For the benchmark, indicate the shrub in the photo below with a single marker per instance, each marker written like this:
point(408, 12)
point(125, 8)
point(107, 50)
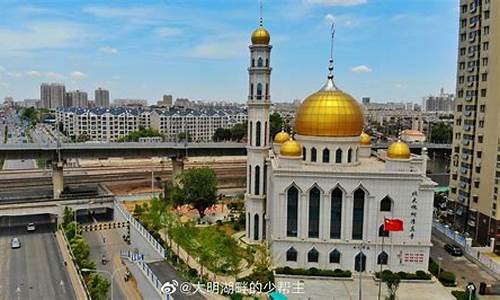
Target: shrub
point(314, 272)
point(192, 272)
point(447, 278)
point(462, 295)
point(236, 226)
point(422, 275)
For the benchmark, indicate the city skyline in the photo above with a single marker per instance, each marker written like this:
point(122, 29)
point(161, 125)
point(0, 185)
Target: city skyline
point(145, 51)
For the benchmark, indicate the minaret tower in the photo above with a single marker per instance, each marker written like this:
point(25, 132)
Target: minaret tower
point(259, 102)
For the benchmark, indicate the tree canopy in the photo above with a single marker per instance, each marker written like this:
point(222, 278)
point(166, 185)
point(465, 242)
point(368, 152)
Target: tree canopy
point(236, 133)
point(276, 123)
point(441, 133)
point(142, 132)
point(197, 187)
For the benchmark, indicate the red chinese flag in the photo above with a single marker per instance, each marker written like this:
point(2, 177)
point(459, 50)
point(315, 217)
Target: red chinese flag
point(393, 225)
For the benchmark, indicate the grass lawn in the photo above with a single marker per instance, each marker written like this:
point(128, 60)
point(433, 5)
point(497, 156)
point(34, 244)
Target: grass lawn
point(214, 246)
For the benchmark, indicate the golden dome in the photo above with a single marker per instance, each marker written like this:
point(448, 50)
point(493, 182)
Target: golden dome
point(329, 112)
point(291, 148)
point(281, 137)
point(398, 150)
point(365, 139)
point(261, 36)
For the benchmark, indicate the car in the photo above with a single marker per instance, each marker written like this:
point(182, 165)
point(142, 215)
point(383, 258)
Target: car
point(15, 243)
point(31, 227)
point(453, 250)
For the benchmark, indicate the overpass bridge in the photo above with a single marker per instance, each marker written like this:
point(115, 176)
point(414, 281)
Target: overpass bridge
point(59, 153)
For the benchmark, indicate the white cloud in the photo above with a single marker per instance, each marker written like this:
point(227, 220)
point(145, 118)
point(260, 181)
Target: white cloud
point(167, 32)
point(336, 2)
point(42, 35)
point(15, 74)
point(220, 49)
point(33, 73)
point(108, 50)
point(54, 76)
point(77, 75)
point(401, 85)
point(361, 69)
point(329, 18)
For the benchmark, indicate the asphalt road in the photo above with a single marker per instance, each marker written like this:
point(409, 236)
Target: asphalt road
point(165, 272)
point(34, 271)
point(465, 270)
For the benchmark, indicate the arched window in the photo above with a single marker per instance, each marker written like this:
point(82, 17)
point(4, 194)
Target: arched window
point(338, 156)
point(382, 258)
point(314, 212)
point(385, 204)
point(267, 62)
point(313, 255)
point(253, 62)
point(267, 91)
point(257, 133)
point(336, 214)
point(260, 62)
point(349, 155)
point(358, 214)
point(382, 232)
point(292, 211)
point(256, 227)
point(265, 180)
point(265, 134)
point(291, 254)
point(326, 155)
point(335, 257)
point(259, 91)
point(313, 154)
point(303, 153)
point(249, 179)
point(251, 133)
point(360, 262)
point(257, 180)
point(251, 90)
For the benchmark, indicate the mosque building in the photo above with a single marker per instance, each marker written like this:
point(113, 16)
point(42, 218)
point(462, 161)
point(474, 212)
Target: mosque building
point(319, 198)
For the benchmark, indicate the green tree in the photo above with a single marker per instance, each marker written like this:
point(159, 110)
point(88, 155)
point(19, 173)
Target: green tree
point(239, 131)
point(134, 136)
point(222, 134)
point(197, 187)
point(80, 248)
point(441, 133)
point(68, 216)
point(71, 229)
point(82, 138)
point(98, 286)
point(392, 281)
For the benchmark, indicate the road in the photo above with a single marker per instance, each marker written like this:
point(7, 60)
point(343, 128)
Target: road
point(34, 271)
point(15, 128)
point(166, 273)
point(465, 270)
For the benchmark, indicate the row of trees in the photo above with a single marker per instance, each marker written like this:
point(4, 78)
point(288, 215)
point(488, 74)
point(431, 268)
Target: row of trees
point(141, 133)
point(97, 285)
point(441, 133)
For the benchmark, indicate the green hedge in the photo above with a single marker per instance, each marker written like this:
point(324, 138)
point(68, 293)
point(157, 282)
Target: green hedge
point(314, 272)
point(462, 295)
point(419, 275)
point(446, 278)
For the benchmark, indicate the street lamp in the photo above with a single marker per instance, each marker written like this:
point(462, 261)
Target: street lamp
point(111, 275)
point(361, 247)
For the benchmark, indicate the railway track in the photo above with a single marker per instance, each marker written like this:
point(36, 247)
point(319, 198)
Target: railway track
point(101, 177)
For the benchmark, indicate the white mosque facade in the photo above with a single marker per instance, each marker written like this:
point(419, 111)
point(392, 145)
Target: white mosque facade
point(319, 199)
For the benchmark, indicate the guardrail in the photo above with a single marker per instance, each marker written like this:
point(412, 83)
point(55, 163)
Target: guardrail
point(138, 226)
point(34, 199)
point(138, 259)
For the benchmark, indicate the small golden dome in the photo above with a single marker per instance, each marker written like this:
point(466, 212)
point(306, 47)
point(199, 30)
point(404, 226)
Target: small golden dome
point(398, 150)
point(329, 112)
point(291, 148)
point(281, 137)
point(365, 139)
point(261, 36)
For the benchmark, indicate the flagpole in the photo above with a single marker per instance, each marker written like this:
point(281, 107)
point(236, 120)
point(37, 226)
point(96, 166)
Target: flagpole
point(380, 272)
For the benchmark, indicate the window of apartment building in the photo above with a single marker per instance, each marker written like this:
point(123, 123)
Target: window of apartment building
point(484, 76)
point(486, 45)
point(483, 92)
point(463, 37)
point(462, 51)
point(460, 93)
point(454, 190)
point(485, 61)
point(481, 123)
point(458, 122)
point(486, 14)
point(463, 23)
point(475, 199)
point(486, 30)
point(482, 108)
point(480, 139)
point(461, 79)
point(478, 170)
point(457, 135)
point(459, 107)
point(462, 65)
point(476, 184)
point(464, 8)
point(454, 176)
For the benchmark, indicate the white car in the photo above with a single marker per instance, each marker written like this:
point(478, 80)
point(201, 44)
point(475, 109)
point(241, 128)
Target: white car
point(15, 243)
point(31, 227)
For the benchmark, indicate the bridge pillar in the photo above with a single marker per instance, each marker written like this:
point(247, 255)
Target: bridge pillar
point(57, 179)
point(177, 168)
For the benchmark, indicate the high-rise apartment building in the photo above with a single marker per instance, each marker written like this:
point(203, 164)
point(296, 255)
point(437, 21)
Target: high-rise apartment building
point(101, 98)
point(52, 95)
point(442, 103)
point(77, 99)
point(475, 163)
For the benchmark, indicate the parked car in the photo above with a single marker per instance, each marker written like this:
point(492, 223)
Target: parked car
point(453, 250)
point(31, 227)
point(15, 243)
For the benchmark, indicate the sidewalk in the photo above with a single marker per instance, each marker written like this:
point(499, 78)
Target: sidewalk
point(71, 268)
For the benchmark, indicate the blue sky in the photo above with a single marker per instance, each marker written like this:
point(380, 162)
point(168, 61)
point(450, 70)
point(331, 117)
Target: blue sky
point(390, 50)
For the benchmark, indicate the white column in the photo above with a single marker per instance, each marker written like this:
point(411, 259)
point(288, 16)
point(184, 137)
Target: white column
point(325, 217)
point(347, 217)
